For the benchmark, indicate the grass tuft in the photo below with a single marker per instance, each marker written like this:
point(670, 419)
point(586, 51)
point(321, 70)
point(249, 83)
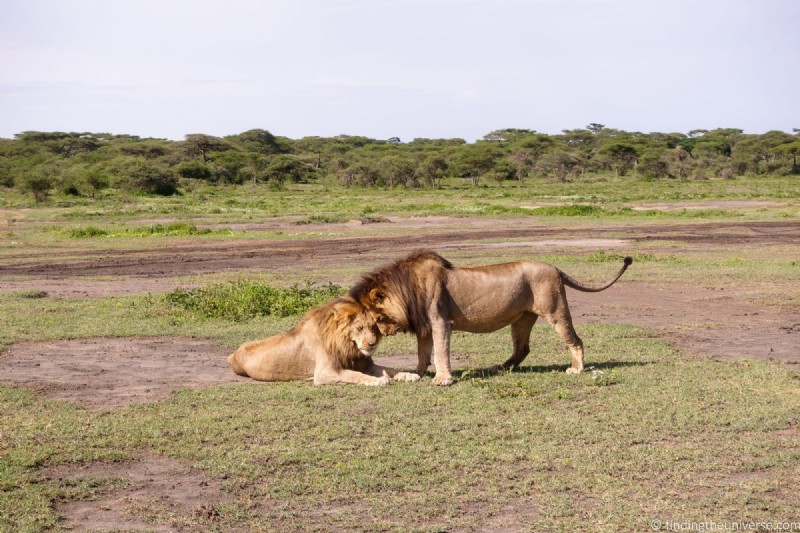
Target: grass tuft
point(173, 229)
point(87, 233)
point(574, 210)
point(602, 256)
point(242, 300)
point(31, 294)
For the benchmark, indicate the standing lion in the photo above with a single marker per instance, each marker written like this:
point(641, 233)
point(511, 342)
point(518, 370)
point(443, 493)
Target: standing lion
point(332, 343)
point(426, 295)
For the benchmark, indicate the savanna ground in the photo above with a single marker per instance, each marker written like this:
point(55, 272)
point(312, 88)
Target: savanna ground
point(118, 411)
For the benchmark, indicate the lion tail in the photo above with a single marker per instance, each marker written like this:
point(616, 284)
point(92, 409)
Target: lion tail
point(572, 282)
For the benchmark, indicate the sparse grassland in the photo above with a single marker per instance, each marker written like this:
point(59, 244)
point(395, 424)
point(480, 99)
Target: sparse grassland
point(646, 433)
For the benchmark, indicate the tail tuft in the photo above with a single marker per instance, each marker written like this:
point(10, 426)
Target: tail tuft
point(628, 260)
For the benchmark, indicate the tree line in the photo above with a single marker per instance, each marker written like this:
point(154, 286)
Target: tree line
point(86, 163)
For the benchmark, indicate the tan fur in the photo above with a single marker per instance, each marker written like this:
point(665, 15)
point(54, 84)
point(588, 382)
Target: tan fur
point(332, 343)
point(426, 295)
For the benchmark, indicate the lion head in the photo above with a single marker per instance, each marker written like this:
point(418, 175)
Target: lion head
point(364, 332)
point(396, 293)
point(347, 330)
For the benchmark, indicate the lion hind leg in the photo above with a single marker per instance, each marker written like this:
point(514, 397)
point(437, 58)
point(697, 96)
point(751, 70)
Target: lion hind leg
point(565, 329)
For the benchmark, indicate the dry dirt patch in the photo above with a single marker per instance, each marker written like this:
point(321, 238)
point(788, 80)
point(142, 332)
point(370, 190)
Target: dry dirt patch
point(114, 372)
point(156, 494)
point(715, 204)
point(704, 321)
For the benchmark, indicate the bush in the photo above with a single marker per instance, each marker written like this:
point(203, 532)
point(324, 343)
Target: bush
point(140, 175)
point(87, 232)
point(575, 210)
point(37, 181)
point(195, 170)
point(243, 300)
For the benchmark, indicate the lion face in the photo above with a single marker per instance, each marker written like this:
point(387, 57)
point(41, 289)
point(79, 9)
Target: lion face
point(365, 333)
point(386, 326)
point(386, 310)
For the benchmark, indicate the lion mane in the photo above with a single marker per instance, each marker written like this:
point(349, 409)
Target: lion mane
point(405, 281)
point(332, 343)
point(425, 294)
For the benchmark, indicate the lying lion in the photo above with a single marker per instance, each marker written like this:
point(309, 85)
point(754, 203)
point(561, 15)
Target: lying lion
point(426, 295)
point(332, 343)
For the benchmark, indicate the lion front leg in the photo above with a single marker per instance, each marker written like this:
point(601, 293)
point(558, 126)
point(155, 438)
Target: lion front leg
point(330, 376)
point(441, 352)
point(396, 375)
point(424, 351)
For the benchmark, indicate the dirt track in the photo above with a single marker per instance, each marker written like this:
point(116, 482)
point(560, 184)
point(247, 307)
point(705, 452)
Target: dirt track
point(707, 321)
point(204, 257)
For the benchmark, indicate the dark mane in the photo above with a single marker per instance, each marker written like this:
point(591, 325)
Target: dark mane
point(404, 280)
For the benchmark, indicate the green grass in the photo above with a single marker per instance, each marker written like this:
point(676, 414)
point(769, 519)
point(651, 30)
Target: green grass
point(668, 436)
point(173, 229)
point(244, 299)
point(588, 196)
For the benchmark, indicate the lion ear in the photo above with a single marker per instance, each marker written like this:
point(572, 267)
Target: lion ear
point(377, 296)
point(342, 314)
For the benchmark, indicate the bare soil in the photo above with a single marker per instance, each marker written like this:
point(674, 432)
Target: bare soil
point(193, 256)
point(114, 372)
point(152, 493)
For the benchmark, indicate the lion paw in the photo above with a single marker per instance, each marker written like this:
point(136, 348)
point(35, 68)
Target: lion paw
point(573, 371)
point(406, 376)
point(379, 382)
point(442, 381)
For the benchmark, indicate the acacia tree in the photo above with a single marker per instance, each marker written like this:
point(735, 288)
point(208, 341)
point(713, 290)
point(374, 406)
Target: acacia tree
point(622, 157)
point(507, 134)
point(397, 170)
point(432, 169)
point(474, 160)
point(283, 167)
point(560, 164)
point(792, 150)
point(197, 144)
point(678, 162)
point(526, 152)
point(258, 141)
point(596, 128)
point(653, 165)
point(38, 181)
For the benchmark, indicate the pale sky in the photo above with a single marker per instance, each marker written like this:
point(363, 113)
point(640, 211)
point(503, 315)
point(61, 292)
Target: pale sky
point(404, 68)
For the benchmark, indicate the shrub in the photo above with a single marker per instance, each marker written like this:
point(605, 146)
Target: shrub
point(574, 210)
point(87, 232)
point(38, 182)
point(243, 300)
point(196, 170)
point(141, 175)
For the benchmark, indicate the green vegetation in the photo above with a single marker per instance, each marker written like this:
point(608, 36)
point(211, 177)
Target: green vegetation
point(89, 164)
point(244, 299)
point(644, 431)
point(173, 229)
